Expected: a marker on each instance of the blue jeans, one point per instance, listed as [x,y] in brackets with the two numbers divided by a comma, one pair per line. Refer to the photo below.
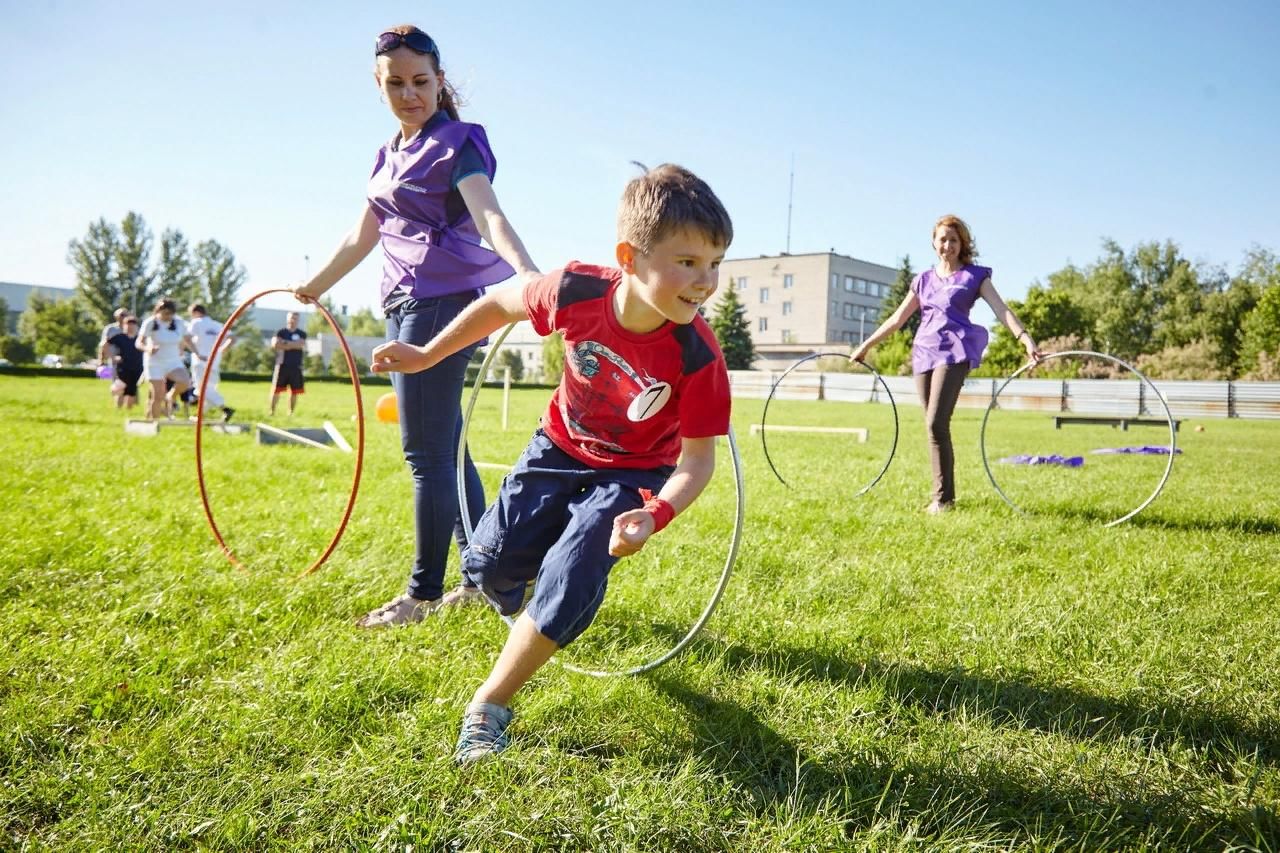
[430,426]
[551,523]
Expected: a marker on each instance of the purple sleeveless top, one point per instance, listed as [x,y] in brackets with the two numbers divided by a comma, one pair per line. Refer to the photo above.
[423,254]
[945,335]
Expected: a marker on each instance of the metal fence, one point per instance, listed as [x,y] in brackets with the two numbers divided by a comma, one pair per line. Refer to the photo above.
[1116,397]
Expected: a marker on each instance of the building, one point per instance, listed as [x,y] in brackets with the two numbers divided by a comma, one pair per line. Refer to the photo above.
[801,304]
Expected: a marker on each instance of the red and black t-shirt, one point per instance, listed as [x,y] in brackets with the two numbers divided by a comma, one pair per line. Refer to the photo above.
[626,400]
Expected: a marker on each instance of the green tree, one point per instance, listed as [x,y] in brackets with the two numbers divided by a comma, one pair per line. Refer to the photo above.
[134,278]
[16,350]
[4,317]
[93,259]
[510,358]
[220,277]
[733,331]
[338,365]
[365,323]
[174,276]
[317,324]
[313,364]
[248,354]
[898,291]
[1262,331]
[64,327]
[552,358]
[892,356]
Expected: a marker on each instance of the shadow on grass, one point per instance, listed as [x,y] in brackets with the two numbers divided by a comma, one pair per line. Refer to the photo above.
[1233,523]
[947,800]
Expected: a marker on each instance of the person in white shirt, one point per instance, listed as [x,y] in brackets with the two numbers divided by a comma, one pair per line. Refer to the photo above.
[161,340]
[202,333]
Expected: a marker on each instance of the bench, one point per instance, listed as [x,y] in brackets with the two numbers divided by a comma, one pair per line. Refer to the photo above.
[1122,421]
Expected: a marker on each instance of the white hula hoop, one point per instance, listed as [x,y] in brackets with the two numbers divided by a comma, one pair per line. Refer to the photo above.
[1173,433]
[725,573]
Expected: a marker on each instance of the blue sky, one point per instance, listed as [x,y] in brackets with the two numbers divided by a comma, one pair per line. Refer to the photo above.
[256,124]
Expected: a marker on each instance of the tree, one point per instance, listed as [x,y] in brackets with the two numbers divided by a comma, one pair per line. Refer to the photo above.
[729,322]
[16,350]
[552,358]
[248,354]
[1262,331]
[1196,360]
[365,323]
[174,276]
[94,261]
[134,280]
[220,277]
[64,327]
[317,324]
[892,356]
[338,365]
[510,358]
[899,291]
[4,317]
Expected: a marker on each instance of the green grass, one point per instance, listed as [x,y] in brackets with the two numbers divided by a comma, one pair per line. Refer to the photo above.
[874,678]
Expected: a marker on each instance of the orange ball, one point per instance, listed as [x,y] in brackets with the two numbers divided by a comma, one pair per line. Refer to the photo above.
[386,409]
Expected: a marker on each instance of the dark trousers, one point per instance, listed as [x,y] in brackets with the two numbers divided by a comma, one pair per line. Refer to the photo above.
[430,426]
[939,389]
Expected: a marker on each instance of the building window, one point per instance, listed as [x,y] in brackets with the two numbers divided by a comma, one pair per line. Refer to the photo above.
[860,286]
[742,282]
[848,284]
[882,290]
[787,337]
[763,325]
[835,308]
[787,281]
[764,295]
[835,281]
[848,310]
[786,308]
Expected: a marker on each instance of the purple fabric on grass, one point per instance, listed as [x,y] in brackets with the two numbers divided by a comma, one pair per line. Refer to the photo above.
[1143,450]
[1050,459]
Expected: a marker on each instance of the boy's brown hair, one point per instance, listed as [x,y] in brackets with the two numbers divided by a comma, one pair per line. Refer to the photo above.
[665,200]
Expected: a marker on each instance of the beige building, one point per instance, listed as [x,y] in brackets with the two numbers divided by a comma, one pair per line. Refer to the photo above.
[801,304]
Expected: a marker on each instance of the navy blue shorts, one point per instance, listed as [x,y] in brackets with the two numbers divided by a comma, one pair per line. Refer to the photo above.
[551,524]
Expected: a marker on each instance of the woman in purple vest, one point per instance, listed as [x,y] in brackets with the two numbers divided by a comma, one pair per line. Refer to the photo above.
[947,345]
[430,200]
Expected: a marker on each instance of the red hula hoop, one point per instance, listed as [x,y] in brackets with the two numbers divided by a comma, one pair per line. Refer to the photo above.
[355,479]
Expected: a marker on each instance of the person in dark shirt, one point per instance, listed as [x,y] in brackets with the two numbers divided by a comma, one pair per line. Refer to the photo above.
[127,362]
[289,344]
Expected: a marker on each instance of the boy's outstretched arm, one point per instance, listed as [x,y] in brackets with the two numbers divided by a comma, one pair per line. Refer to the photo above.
[633,528]
[482,317]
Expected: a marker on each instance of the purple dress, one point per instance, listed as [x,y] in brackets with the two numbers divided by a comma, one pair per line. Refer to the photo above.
[424,255]
[945,335]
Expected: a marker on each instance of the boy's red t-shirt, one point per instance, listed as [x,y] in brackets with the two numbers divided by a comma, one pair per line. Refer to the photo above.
[626,400]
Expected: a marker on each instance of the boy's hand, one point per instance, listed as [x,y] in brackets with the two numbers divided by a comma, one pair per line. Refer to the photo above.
[630,531]
[398,357]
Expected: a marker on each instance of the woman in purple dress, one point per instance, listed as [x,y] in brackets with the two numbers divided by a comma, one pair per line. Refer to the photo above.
[947,345]
[429,202]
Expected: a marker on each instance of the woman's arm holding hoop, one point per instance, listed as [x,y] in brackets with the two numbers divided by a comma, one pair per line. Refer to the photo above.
[1005,315]
[354,248]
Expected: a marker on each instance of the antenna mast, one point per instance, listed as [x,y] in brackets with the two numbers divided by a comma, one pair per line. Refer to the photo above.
[791,191]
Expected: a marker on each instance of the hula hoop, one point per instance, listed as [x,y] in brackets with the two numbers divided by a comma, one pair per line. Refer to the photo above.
[725,573]
[764,416]
[355,479]
[1173,435]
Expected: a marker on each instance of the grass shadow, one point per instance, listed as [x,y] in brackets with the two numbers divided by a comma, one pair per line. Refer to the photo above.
[1233,523]
[947,802]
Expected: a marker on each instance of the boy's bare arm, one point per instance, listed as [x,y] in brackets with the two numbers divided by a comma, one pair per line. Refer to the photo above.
[482,317]
[697,463]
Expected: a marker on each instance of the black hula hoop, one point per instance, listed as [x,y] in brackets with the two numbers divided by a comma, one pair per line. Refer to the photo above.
[764,417]
[1173,436]
[725,573]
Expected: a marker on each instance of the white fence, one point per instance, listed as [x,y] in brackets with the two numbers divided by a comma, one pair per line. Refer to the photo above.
[1084,396]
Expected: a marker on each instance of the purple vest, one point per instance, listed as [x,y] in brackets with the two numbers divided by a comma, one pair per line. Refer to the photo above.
[423,255]
[945,335]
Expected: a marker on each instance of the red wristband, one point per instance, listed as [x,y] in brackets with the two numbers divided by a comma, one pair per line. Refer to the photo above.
[661,511]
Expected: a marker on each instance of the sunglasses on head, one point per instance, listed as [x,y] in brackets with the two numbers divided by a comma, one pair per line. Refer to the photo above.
[416,41]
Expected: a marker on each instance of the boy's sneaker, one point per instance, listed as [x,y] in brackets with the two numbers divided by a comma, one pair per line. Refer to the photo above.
[484,732]
[404,610]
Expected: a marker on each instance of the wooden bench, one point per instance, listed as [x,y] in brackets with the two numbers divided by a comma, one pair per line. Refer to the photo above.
[1122,421]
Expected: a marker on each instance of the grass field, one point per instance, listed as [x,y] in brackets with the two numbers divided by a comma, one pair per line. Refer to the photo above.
[875,678]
